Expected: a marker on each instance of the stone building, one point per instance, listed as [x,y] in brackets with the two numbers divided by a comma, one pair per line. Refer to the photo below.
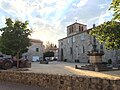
[75,46]
[35,51]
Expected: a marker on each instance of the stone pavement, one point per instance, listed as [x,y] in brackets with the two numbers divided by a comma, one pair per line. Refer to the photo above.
[53,67]
[93,73]
[66,68]
[15,86]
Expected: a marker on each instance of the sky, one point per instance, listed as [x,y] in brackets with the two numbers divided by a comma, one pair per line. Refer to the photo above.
[49,18]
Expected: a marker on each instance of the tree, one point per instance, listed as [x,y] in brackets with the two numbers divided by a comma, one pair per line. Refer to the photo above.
[14,39]
[109,34]
[115,5]
[49,46]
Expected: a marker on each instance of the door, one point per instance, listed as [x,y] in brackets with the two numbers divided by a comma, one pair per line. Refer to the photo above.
[61,54]
[35,58]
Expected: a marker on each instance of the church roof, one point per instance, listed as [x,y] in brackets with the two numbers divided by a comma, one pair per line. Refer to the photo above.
[76,23]
[36,41]
[76,34]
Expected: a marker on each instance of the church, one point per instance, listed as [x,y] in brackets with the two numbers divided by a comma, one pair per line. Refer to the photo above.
[75,46]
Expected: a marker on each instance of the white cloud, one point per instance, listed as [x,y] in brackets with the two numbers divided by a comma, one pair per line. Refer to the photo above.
[105,16]
[2,21]
[49,18]
[82,3]
[102,6]
[48,1]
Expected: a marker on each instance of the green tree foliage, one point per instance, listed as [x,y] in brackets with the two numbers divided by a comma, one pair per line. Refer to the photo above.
[109,34]
[14,39]
[115,5]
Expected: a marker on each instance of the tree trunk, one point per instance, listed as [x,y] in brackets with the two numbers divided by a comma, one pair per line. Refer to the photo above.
[17,57]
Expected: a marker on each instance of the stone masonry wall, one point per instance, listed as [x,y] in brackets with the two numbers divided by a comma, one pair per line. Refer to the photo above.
[60,82]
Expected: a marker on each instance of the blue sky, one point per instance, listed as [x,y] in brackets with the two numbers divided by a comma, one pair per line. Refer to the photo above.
[49,18]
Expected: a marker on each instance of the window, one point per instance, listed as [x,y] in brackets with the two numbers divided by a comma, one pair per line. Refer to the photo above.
[61,51]
[69,30]
[82,37]
[79,28]
[72,29]
[73,38]
[82,28]
[83,49]
[68,40]
[71,51]
[37,49]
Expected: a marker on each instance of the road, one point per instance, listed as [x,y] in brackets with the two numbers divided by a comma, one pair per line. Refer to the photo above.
[15,86]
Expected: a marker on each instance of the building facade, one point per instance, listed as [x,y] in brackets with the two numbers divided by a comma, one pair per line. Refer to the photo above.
[35,51]
[75,46]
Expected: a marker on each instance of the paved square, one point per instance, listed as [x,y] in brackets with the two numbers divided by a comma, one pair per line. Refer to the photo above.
[69,69]
[53,67]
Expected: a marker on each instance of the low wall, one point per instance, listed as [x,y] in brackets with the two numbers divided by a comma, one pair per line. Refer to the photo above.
[60,82]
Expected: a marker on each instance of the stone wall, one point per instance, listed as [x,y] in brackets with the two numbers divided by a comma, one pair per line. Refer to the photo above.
[60,82]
